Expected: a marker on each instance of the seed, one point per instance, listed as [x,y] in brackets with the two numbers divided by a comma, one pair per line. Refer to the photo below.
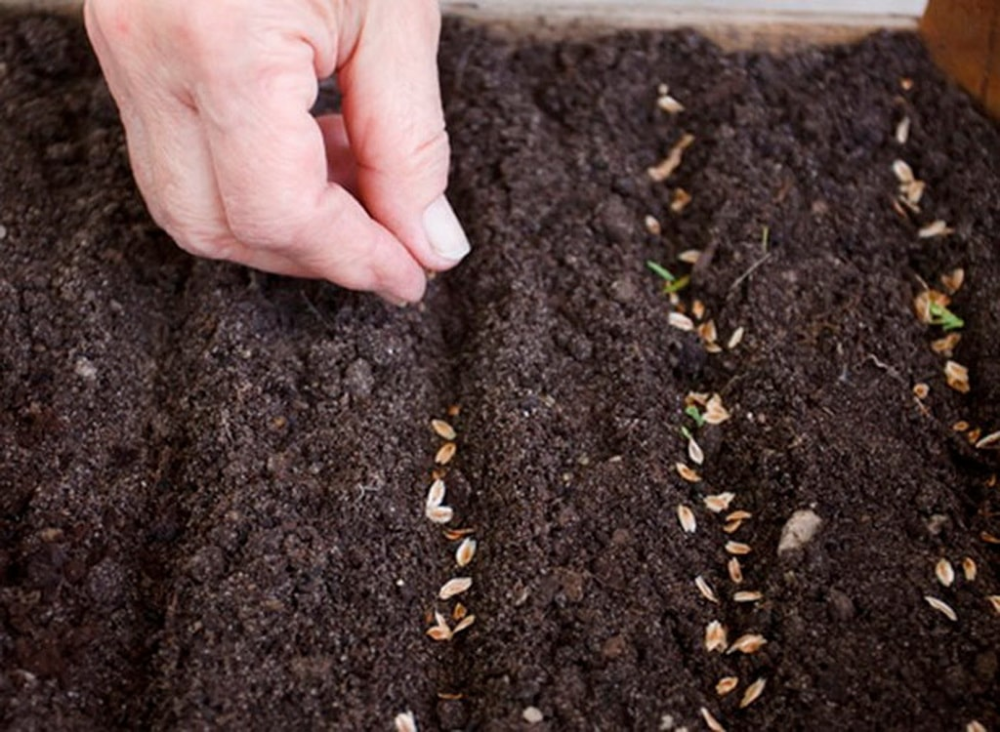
[465,552]
[957,376]
[446,453]
[439,633]
[712,722]
[698,309]
[695,452]
[456,534]
[953,280]
[664,169]
[448,696]
[465,623]
[944,572]
[715,413]
[994,600]
[697,398]
[732,527]
[440,514]
[903,172]
[679,201]
[454,410]
[921,390]
[752,693]
[947,344]
[737,547]
[705,589]
[454,587]
[689,256]
[735,570]
[748,597]
[686,516]
[911,193]
[799,530]
[991,441]
[459,612]
[669,105]
[903,131]
[687,473]
[973,435]
[652,225]
[937,228]
[960,426]
[989,538]
[969,569]
[406,722]
[922,307]
[906,83]
[708,332]
[719,502]
[435,496]
[726,685]
[443,429]
[680,321]
[749,643]
[736,338]
[740,515]
[715,637]
[942,607]
[532,715]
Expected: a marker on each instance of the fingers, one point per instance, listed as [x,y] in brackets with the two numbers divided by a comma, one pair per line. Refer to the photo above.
[392,109]
[341,167]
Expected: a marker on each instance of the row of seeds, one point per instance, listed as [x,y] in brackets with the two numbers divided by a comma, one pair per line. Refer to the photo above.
[931,306]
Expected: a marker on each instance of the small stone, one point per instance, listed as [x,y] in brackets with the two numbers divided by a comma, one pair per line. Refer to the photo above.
[799,530]
[85,369]
[533,715]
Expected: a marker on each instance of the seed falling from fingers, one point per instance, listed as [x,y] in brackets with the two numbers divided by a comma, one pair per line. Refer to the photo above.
[726,685]
[712,722]
[446,453]
[405,722]
[686,516]
[735,570]
[957,376]
[443,429]
[752,693]
[454,587]
[942,607]
[715,637]
[969,569]
[465,552]
[737,547]
[749,643]
[719,502]
[944,572]
[705,589]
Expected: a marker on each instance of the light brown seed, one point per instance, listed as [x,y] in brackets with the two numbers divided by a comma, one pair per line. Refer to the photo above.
[443,429]
[705,589]
[697,398]
[712,722]
[989,538]
[456,534]
[715,413]
[994,601]
[652,225]
[735,570]
[726,685]
[739,515]
[936,228]
[665,168]
[957,376]
[465,623]
[953,280]
[465,552]
[439,633]
[695,452]
[752,693]
[708,332]
[731,527]
[903,131]
[911,193]
[687,473]
[737,547]
[453,587]
[435,496]
[973,435]
[942,607]
[989,442]
[946,345]
[440,514]
[680,321]
[454,410]
[921,390]
[715,637]
[405,722]
[922,307]
[686,516]
[747,596]
[679,200]
[944,572]
[736,338]
[902,171]
[749,643]
[445,453]
[669,105]
[689,256]
[969,569]
[960,426]
[459,612]
[719,502]
[906,83]
[698,309]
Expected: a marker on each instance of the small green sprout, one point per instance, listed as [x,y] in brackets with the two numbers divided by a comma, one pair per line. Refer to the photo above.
[671,283]
[687,433]
[662,271]
[940,315]
[693,412]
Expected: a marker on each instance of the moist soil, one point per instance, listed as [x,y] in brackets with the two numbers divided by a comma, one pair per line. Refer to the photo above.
[213,480]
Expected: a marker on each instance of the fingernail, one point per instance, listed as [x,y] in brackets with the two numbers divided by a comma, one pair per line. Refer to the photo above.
[444,232]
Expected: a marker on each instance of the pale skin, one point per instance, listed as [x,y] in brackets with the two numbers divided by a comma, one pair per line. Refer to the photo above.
[215,98]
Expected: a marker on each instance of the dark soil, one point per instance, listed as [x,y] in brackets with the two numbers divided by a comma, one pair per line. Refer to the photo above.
[212,480]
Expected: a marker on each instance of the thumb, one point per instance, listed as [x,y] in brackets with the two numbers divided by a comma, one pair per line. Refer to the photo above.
[392,111]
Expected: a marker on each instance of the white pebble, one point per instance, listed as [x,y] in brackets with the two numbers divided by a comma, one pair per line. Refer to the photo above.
[799,530]
[533,715]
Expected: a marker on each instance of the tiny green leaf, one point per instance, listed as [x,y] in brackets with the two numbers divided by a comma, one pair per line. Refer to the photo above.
[693,412]
[661,270]
[677,285]
[940,315]
[687,433]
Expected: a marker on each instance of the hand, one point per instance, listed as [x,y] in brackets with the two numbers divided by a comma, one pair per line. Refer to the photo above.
[215,99]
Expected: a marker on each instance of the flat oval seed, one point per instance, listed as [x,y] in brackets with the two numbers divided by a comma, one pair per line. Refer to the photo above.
[443,429]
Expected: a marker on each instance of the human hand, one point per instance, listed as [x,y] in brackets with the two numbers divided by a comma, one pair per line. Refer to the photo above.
[215,99]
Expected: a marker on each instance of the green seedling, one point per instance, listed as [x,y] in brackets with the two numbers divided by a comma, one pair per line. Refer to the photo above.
[671,283]
[694,413]
[687,433]
[940,315]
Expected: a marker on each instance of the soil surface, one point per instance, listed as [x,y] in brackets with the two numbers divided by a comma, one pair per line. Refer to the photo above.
[212,481]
